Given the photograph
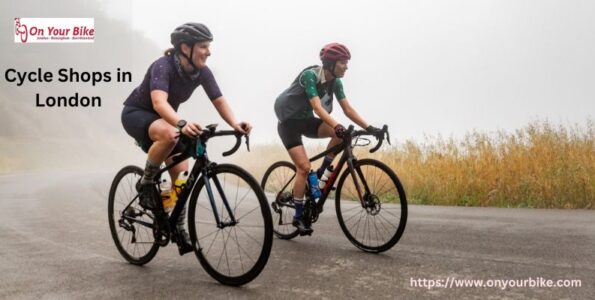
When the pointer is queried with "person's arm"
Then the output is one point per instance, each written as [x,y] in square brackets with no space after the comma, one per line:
[321,112]
[227,114]
[166,112]
[352,114]
[308,80]
[163,108]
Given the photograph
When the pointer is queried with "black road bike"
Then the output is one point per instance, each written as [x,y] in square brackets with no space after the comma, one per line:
[370,201]
[229,221]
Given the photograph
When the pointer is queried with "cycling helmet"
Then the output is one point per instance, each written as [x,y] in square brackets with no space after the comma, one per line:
[190,33]
[334,52]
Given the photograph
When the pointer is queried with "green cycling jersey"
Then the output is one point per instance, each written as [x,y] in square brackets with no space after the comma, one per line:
[294,102]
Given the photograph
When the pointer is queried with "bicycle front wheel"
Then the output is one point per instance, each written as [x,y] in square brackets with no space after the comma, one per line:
[128,221]
[232,254]
[378,224]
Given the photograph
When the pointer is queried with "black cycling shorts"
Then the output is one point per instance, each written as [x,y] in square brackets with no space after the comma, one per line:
[136,122]
[291,131]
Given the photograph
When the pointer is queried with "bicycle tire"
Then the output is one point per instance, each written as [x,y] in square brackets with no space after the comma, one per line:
[203,253]
[370,218]
[125,188]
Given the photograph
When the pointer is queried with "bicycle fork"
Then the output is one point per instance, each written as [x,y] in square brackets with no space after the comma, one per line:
[220,224]
[357,171]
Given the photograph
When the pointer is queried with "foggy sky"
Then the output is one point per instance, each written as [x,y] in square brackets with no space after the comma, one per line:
[420,66]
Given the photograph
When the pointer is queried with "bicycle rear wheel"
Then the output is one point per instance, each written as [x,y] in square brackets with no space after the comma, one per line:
[276,183]
[126,217]
[235,254]
[379,224]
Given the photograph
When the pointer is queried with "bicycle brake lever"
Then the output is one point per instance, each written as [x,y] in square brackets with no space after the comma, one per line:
[247,142]
[385,129]
[388,138]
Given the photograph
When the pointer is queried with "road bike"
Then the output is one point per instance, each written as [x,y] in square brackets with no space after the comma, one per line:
[370,201]
[229,221]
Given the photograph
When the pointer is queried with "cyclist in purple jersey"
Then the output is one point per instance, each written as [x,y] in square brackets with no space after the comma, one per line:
[150,112]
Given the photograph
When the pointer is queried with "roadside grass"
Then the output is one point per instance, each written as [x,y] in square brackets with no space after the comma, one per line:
[538,166]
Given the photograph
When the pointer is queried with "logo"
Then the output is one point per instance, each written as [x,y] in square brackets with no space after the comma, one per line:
[20,30]
[54,30]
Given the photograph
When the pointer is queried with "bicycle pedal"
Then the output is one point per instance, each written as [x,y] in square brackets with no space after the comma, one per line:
[306,232]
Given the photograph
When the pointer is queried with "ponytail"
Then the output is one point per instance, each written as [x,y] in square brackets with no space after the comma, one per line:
[169,51]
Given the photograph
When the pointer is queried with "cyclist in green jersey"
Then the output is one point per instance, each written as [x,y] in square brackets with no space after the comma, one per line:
[312,93]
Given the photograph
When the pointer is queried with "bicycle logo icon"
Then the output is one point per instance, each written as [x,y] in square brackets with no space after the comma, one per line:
[21,29]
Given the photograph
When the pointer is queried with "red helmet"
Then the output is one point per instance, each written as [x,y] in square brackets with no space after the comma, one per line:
[335,52]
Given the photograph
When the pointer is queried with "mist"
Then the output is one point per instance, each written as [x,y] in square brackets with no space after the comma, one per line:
[423,67]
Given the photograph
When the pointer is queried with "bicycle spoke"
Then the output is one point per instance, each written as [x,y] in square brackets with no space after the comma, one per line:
[387,221]
[239,247]
[358,221]
[244,250]
[352,216]
[205,207]
[213,241]
[388,212]
[209,234]
[250,236]
[249,212]
[237,204]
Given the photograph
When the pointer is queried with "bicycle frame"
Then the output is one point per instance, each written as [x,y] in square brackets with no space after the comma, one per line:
[346,158]
[201,168]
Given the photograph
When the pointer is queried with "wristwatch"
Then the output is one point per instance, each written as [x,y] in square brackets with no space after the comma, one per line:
[181,124]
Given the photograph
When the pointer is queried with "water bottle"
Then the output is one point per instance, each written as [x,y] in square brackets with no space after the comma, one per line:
[313,182]
[327,173]
[178,186]
[165,187]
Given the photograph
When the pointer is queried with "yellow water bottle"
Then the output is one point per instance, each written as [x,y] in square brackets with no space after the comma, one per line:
[178,186]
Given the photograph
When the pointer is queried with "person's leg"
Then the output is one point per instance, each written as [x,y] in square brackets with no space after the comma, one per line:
[186,245]
[174,173]
[302,164]
[164,137]
[291,134]
[324,131]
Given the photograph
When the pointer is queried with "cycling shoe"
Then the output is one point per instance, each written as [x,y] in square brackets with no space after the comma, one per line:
[302,228]
[148,195]
[183,241]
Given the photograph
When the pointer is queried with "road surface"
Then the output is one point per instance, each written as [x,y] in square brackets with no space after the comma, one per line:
[55,243]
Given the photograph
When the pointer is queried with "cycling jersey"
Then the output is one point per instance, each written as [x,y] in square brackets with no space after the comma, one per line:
[294,102]
[163,75]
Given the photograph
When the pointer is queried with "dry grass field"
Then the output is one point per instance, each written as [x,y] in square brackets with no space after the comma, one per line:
[540,166]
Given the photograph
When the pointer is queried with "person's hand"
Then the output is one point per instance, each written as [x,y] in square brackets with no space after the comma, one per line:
[192,129]
[340,130]
[243,127]
[377,132]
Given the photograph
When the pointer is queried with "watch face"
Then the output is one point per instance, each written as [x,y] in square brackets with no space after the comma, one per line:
[181,124]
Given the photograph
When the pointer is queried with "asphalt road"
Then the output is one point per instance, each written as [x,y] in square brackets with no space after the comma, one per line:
[55,244]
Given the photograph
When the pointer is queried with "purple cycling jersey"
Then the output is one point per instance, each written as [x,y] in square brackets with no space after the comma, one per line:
[163,75]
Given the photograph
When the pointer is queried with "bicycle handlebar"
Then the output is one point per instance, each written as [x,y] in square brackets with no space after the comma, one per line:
[210,132]
[352,133]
